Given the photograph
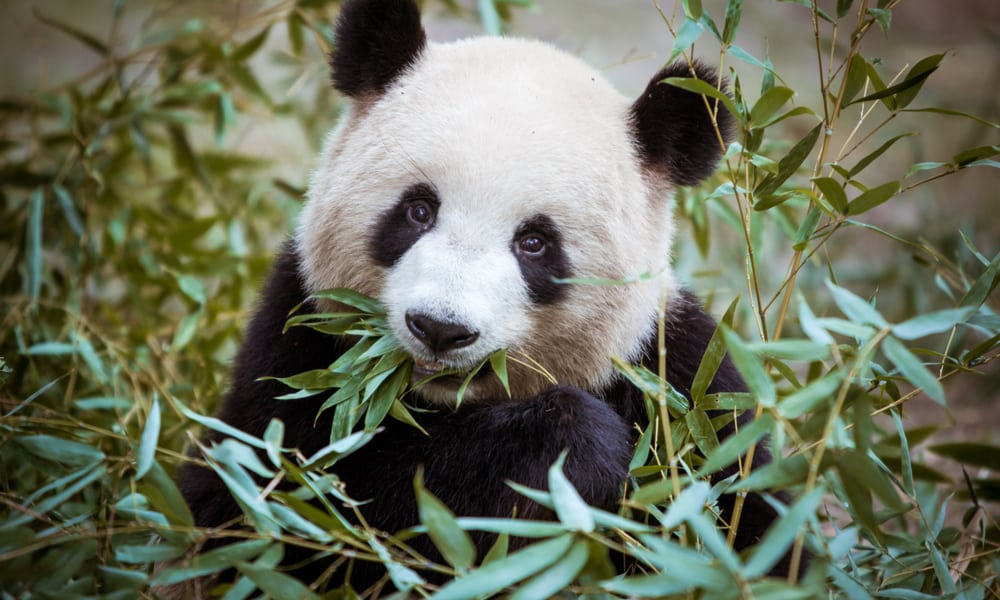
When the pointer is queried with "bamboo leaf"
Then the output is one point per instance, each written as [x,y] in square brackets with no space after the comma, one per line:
[33,243]
[970,453]
[768,104]
[736,445]
[551,581]
[931,323]
[495,576]
[868,159]
[572,511]
[790,163]
[872,198]
[81,36]
[150,439]
[454,544]
[782,534]
[855,308]
[705,89]
[913,370]
[751,368]
[734,10]
[715,353]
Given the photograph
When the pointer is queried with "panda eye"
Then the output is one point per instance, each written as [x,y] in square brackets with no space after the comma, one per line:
[420,214]
[531,246]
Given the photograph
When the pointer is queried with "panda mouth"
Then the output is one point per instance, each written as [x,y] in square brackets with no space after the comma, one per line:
[430,371]
[426,368]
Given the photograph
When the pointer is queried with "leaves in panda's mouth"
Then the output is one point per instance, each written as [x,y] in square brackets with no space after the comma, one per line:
[371,377]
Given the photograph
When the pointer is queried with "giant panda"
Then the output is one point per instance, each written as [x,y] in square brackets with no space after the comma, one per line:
[471,187]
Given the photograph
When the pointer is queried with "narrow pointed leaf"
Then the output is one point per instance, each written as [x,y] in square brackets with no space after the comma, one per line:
[149,440]
[572,511]
[913,370]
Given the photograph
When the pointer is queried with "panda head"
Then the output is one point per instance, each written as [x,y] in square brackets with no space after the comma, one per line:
[468,181]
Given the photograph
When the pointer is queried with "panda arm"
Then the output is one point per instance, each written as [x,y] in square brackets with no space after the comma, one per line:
[469,455]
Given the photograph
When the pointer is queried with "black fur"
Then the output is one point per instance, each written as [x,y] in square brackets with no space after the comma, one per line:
[542,272]
[470,453]
[394,232]
[674,127]
[375,42]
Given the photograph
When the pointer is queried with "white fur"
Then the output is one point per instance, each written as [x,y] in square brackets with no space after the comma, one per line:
[504,130]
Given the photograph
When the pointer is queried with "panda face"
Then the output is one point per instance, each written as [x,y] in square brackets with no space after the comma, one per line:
[469,192]
[472,186]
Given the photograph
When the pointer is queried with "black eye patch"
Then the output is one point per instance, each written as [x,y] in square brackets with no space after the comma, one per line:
[537,244]
[402,225]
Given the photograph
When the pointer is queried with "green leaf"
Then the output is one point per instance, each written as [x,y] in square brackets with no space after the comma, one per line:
[495,576]
[911,85]
[351,298]
[650,384]
[454,544]
[687,35]
[498,362]
[59,449]
[213,561]
[737,444]
[274,583]
[856,309]
[883,17]
[794,350]
[273,437]
[931,323]
[872,198]
[515,527]
[715,353]
[867,160]
[186,331]
[969,453]
[808,397]
[687,505]
[147,553]
[692,8]
[807,229]
[734,10]
[983,286]
[913,370]
[86,351]
[50,349]
[768,104]
[702,431]
[751,368]
[918,73]
[33,244]
[790,163]
[149,440]
[164,496]
[69,210]
[550,582]
[83,37]
[955,113]
[704,88]
[782,534]
[967,157]
[857,75]
[251,46]
[572,511]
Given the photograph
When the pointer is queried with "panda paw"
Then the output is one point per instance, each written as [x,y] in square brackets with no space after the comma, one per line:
[596,439]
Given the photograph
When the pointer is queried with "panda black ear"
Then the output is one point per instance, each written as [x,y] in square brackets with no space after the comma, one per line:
[375,42]
[674,129]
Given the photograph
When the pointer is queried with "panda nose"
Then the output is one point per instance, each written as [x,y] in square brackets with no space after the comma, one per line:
[439,336]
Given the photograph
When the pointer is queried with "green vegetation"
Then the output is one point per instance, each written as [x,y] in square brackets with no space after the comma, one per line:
[135,233]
